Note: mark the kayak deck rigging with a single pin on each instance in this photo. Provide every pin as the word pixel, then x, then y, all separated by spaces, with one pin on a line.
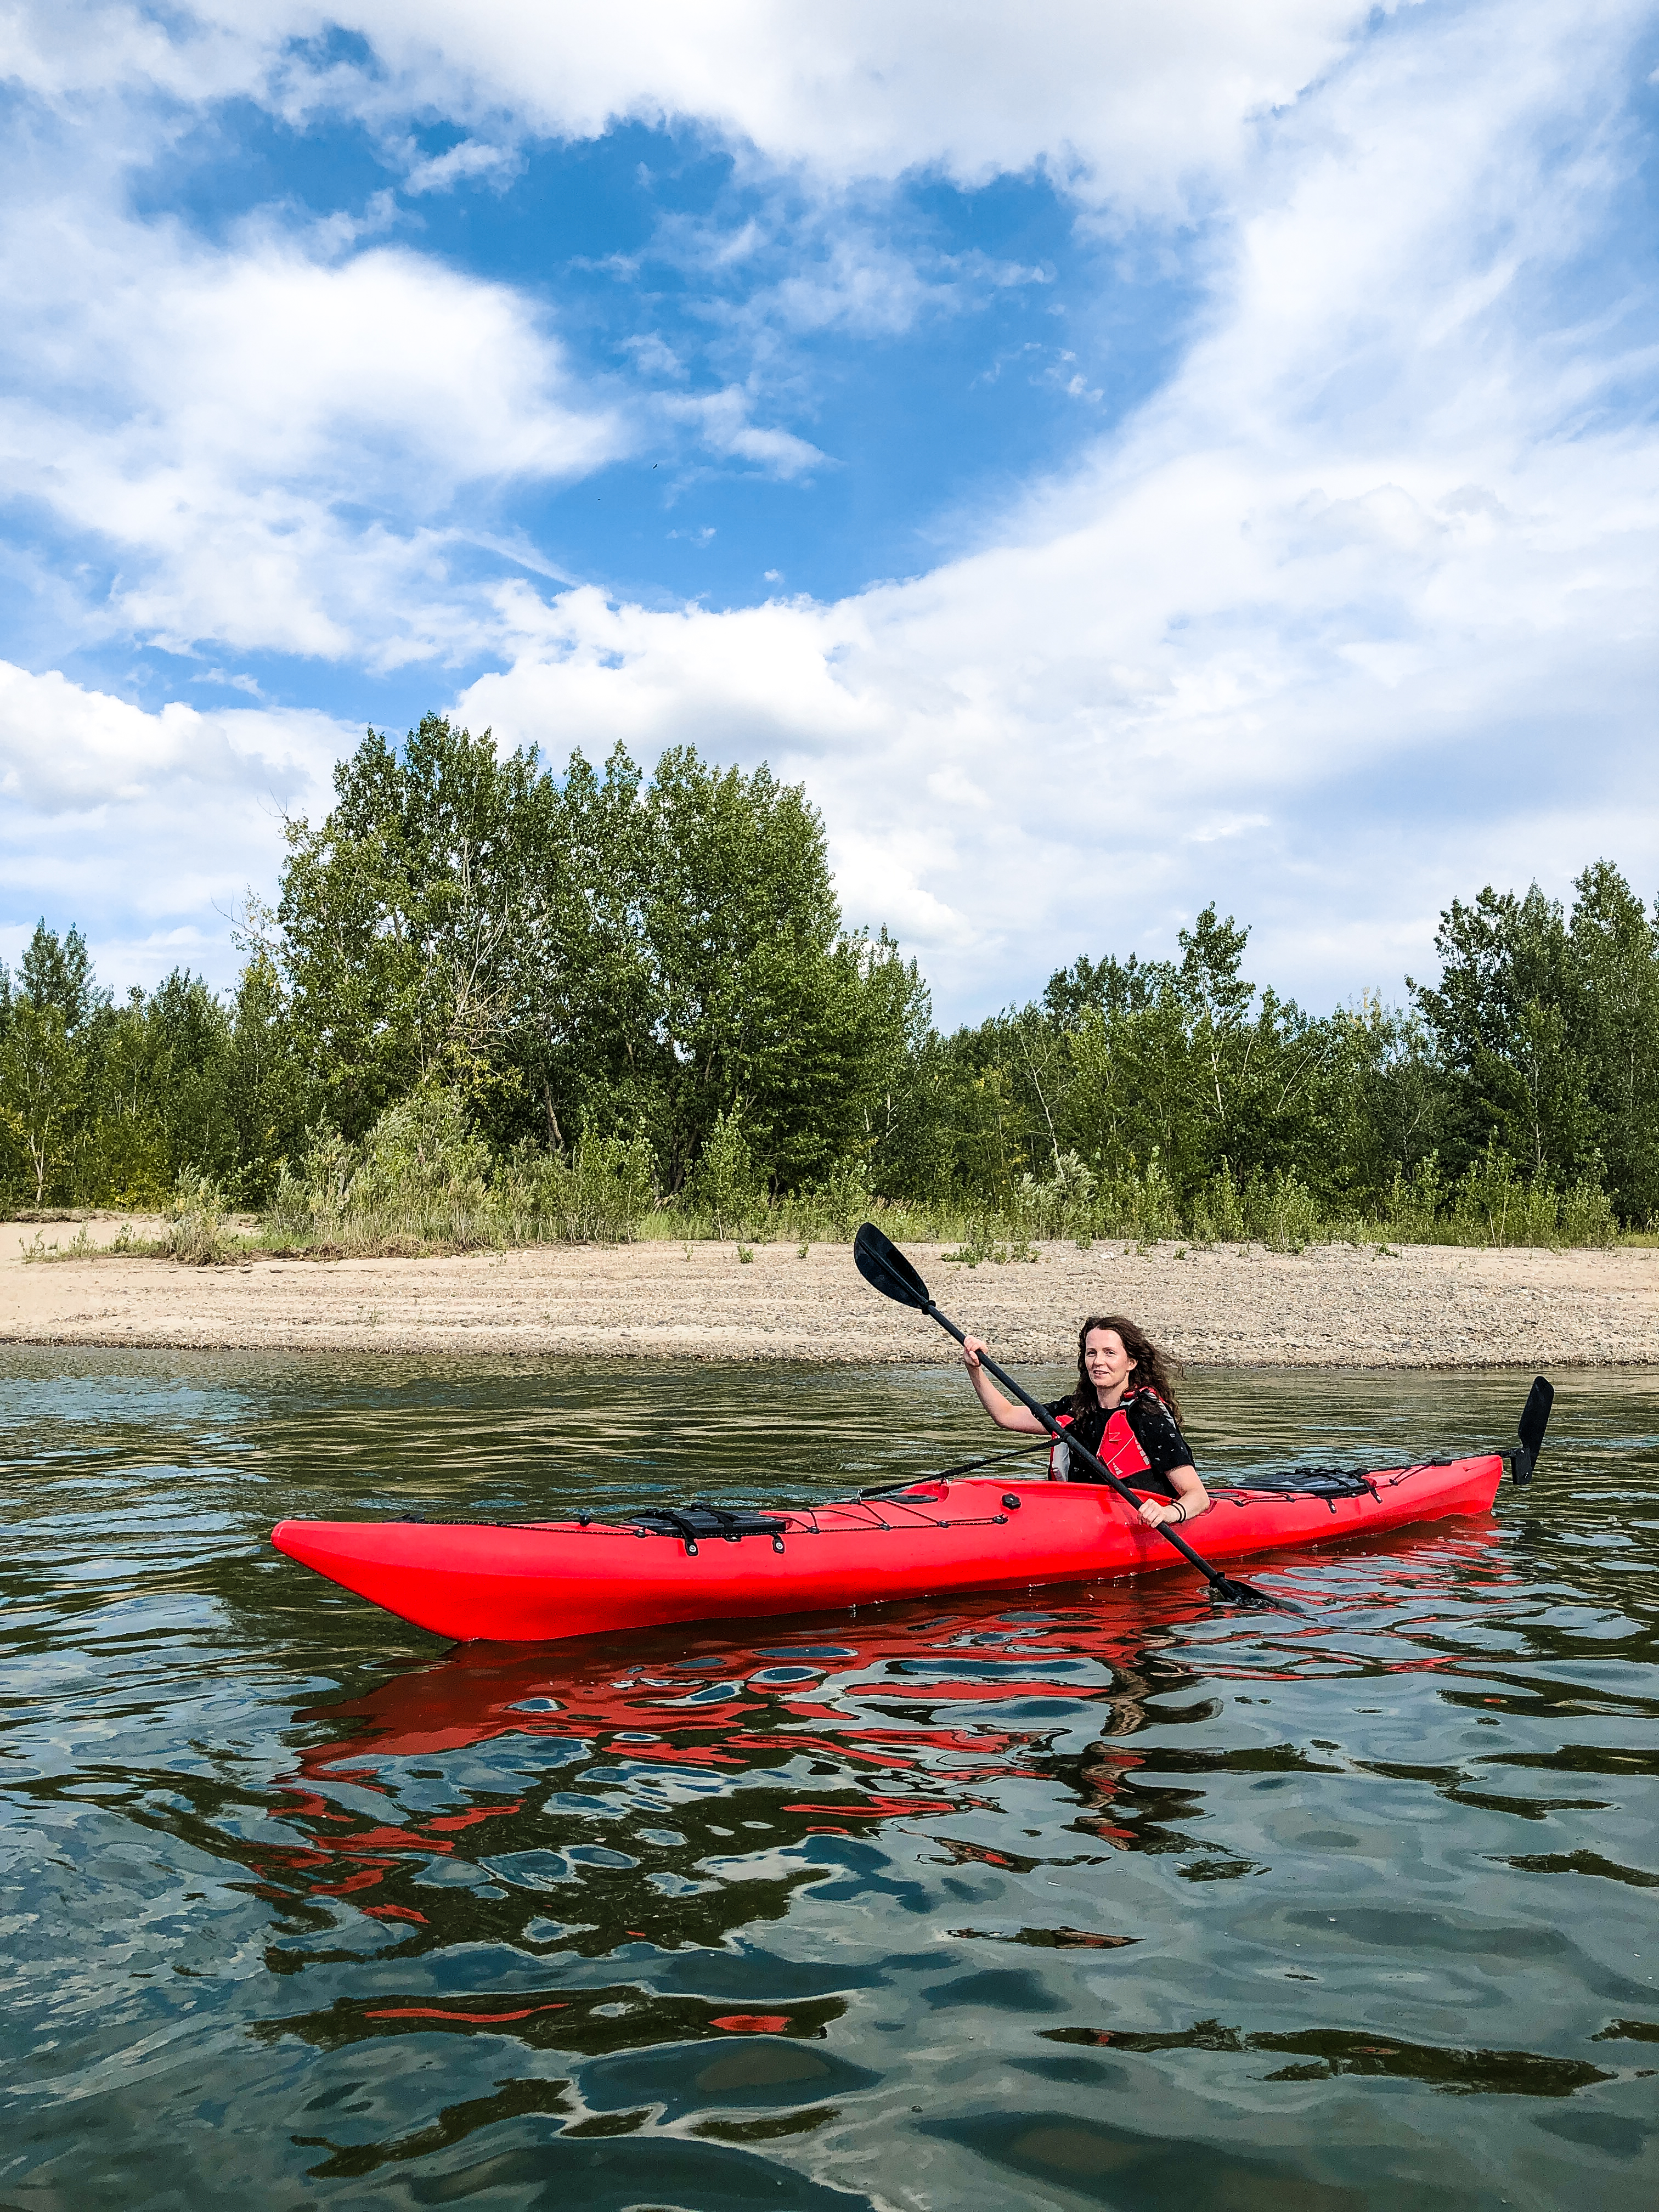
pixel 543 1580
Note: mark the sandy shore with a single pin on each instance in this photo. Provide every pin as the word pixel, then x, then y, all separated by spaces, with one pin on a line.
pixel 1426 1306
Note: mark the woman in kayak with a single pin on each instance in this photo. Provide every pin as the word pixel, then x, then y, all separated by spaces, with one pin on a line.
pixel 1125 1411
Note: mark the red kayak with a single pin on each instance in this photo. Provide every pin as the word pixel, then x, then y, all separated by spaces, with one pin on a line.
pixel 537 1582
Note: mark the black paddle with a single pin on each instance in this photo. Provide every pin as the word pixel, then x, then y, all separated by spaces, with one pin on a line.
pixel 1534 1419
pixel 885 1268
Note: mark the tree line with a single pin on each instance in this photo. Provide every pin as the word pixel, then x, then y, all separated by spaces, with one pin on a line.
pixel 471 950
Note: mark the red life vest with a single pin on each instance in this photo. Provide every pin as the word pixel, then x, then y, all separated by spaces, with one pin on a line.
pixel 1119 1448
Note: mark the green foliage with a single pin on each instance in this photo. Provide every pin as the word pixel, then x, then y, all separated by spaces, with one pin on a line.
pixel 473 959
pixel 843 1198
pixel 198 1232
pixel 407 918
pixel 1412 1208
pixel 1547 1026
pixel 981 1242
pixel 42 1077
pixel 724 1185
pixel 424 1178
pixel 605 952
pixel 1281 1210
pixel 56 974
pixel 600 1197
pixel 420 1177
pixel 1217 1215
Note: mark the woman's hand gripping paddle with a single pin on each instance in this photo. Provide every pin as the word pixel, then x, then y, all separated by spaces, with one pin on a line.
pixel 885 1268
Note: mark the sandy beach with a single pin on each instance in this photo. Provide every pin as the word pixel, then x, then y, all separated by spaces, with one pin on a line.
pixel 1422 1306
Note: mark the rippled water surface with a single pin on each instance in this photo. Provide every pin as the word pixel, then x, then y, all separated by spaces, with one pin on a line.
pixel 1097 1899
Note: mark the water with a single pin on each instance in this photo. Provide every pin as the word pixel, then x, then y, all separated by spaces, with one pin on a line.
pixel 1099 1899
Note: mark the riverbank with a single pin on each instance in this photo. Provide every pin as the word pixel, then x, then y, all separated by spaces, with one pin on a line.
pixel 1331 1306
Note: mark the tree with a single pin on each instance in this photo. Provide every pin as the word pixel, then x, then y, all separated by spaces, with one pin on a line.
pixel 41 1078
pixel 57 972
pixel 1509 1023
pixel 759 993
pixel 1614 947
pixel 267 1095
pixel 603 955
pixel 403 918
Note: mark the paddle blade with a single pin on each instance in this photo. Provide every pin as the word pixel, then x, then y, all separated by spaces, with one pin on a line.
pixel 1536 1418
pixel 885 1268
pixel 1226 1591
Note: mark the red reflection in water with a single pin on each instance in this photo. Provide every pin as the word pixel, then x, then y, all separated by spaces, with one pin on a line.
pixel 633 1701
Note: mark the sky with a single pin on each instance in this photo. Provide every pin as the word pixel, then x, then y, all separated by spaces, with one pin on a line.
pixel 1117 456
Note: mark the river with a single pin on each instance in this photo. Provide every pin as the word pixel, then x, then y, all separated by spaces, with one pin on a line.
pixel 1101 1897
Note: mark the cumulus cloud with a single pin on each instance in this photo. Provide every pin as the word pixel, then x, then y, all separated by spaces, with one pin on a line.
pixel 1357 612
pixel 262 444
pixel 146 829
pixel 271 436
pixel 1127 106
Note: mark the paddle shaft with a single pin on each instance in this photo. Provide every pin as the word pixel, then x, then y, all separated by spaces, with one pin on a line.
pixel 1034 1405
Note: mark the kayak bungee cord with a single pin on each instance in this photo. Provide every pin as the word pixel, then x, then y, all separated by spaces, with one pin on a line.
pixel 543 1580
pixel 885 1268
pixel 962 1466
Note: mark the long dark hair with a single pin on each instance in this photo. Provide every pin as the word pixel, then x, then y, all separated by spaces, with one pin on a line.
pixel 1150 1369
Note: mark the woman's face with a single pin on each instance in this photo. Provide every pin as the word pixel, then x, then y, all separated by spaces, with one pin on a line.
pixel 1106 1360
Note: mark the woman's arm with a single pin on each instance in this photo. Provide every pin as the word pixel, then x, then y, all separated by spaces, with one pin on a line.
pixel 1005 1415
pixel 1191 1498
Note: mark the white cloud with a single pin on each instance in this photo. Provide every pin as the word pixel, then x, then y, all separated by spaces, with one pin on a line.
pixel 471 158
pixel 146 829
pixel 1126 106
pixel 271 437
pixel 722 418
pixel 264 446
pixel 1356 613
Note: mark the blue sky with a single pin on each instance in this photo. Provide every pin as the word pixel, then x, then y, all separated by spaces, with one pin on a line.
pixel 988 341
pixel 1115 459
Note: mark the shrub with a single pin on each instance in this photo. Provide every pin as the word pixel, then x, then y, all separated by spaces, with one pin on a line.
pixel 196 1230
pixel 605 1193
pixel 1136 1202
pixel 1217 1211
pixel 1491 1205
pixel 841 1199
pixel 1587 1215
pixel 424 1162
pixel 1281 1210
pixel 1413 1210
pixel 724 1184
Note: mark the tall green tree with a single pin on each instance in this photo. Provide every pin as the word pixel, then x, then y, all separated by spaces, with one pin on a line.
pixel 56 971
pixel 1509 1021
pixel 403 916
pixel 761 996
pixel 604 953
pixel 1614 947
pixel 42 1078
